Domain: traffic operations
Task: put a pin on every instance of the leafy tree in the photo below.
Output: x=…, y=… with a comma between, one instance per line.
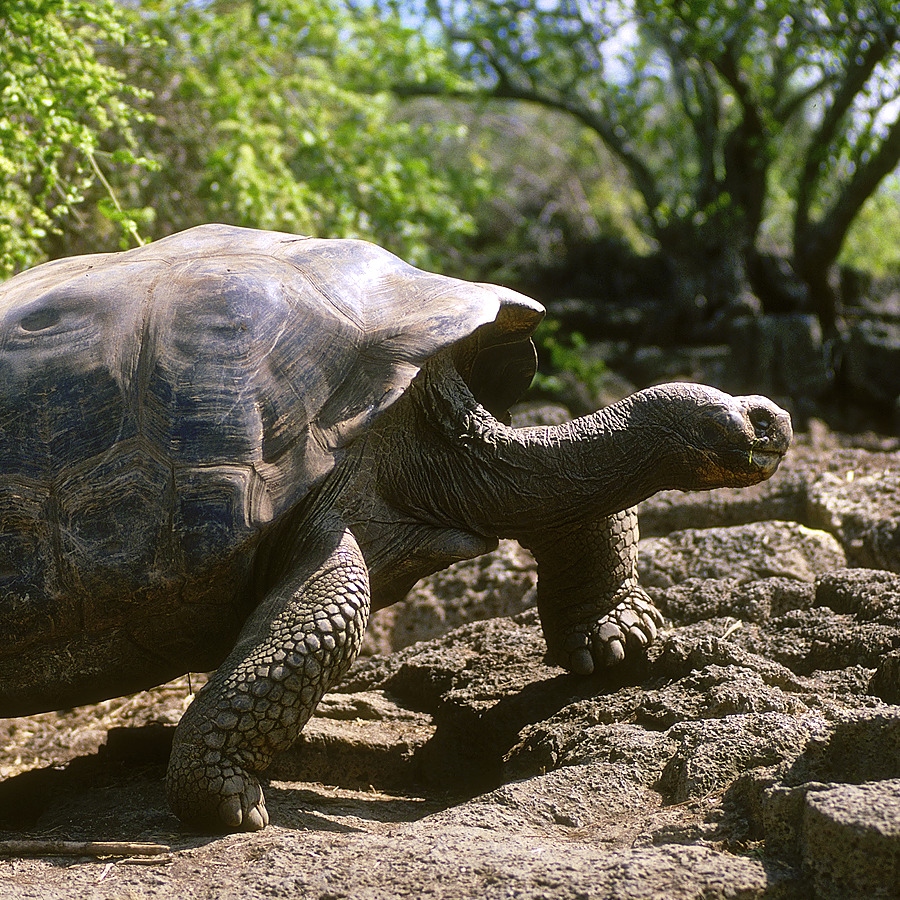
x=61, y=109
x=704, y=102
x=872, y=243
x=552, y=185
x=245, y=111
x=253, y=118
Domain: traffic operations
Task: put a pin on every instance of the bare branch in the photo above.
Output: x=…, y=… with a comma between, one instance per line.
x=792, y=104
x=860, y=68
x=615, y=139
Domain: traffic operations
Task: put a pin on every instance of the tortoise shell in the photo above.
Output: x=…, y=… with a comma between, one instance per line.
x=161, y=407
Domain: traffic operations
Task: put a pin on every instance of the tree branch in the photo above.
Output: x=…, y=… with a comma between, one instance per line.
x=704, y=119
x=614, y=139
x=829, y=232
x=783, y=111
x=862, y=65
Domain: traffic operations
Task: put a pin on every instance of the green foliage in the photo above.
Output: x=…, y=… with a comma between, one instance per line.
x=264, y=113
x=257, y=118
x=872, y=243
x=565, y=351
x=60, y=108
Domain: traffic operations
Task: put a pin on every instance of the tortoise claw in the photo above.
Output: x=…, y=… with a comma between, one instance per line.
x=581, y=662
x=626, y=630
x=613, y=652
x=632, y=625
x=608, y=642
x=245, y=811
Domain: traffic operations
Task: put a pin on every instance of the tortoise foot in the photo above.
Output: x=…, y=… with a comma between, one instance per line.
x=245, y=808
x=628, y=628
x=216, y=795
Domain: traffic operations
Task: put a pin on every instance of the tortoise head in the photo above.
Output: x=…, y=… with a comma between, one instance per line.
x=750, y=436
x=714, y=439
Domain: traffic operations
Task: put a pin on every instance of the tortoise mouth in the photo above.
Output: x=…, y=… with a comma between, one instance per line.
x=756, y=463
x=765, y=459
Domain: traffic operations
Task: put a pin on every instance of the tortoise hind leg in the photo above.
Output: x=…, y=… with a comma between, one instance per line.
x=297, y=644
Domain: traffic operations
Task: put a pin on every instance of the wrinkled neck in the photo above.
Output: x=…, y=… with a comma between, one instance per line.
x=488, y=477
x=587, y=468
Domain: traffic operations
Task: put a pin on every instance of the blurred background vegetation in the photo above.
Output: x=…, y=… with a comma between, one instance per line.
x=749, y=151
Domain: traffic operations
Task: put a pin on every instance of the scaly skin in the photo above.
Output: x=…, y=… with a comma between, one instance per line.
x=589, y=599
x=300, y=642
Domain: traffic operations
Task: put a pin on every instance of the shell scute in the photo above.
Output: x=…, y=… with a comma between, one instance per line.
x=211, y=506
x=26, y=511
x=113, y=525
x=212, y=377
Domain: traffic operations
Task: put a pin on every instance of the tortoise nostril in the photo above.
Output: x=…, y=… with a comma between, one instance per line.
x=762, y=420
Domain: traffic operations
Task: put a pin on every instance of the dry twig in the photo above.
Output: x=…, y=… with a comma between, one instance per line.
x=80, y=848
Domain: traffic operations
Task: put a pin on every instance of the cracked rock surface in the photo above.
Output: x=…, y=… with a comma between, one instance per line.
x=754, y=752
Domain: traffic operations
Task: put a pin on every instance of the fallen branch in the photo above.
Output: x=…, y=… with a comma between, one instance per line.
x=80, y=848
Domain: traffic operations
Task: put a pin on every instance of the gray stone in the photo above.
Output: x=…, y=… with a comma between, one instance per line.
x=689, y=650
x=850, y=748
x=782, y=497
x=872, y=360
x=811, y=639
x=872, y=595
x=572, y=739
x=851, y=840
x=848, y=491
x=885, y=682
x=601, y=797
x=699, y=599
x=782, y=354
x=742, y=552
x=360, y=740
x=501, y=583
x=863, y=511
x=712, y=753
x=436, y=860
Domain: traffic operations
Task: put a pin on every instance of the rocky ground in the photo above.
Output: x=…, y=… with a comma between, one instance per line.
x=754, y=753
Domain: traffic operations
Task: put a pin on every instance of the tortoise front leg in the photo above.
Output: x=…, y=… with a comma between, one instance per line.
x=591, y=605
x=299, y=642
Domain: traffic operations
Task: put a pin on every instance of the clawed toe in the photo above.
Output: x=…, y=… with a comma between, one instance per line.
x=650, y=626
x=625, y=631
x=580, y=661
x=608, y=642
x=246, y=812
x=632, y=625
x=628, y=629
x=210, y=793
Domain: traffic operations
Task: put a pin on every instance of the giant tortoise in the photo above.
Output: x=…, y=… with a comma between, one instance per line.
x=219, y=450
